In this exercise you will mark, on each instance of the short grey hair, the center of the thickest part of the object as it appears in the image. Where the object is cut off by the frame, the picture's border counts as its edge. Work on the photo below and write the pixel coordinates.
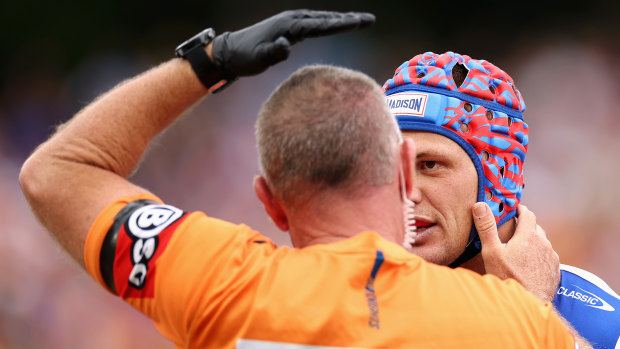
(326, 127)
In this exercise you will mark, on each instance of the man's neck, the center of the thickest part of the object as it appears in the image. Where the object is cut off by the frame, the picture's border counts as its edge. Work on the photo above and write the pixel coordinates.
(340, 217)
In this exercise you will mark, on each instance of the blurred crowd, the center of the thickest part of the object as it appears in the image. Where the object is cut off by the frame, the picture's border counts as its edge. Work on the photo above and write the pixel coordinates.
(206, 162)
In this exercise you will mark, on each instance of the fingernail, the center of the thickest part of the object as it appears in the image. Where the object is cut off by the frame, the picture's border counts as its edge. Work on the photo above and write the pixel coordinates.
(480, 210)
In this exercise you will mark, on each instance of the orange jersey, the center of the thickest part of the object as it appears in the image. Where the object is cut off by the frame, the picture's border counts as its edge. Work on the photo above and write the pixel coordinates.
(207, 283)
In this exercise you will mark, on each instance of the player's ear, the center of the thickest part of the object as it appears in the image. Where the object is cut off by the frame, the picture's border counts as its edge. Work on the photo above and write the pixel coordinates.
(271, 203)
(408, 156)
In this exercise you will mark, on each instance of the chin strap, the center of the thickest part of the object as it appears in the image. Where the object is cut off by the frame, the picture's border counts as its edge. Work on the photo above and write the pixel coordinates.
(471, 250)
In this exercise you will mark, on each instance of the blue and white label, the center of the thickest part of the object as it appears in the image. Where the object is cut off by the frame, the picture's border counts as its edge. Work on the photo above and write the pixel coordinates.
(407, 103)
(587, 298)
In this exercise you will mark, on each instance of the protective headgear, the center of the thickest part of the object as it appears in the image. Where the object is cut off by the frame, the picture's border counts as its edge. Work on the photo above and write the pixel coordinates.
(483, 113)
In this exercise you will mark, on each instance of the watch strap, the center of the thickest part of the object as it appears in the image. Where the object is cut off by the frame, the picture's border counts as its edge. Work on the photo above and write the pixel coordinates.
(205, 69)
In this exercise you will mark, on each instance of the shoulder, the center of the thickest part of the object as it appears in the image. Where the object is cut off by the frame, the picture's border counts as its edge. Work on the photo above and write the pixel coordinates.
(590, 305)
(586, 278)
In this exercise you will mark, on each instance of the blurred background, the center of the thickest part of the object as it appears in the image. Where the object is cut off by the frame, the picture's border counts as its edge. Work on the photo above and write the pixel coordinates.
(57, 56)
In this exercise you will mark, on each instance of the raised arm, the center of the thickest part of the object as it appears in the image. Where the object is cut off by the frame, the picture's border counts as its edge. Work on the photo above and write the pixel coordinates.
(70, 178)
(83, 167)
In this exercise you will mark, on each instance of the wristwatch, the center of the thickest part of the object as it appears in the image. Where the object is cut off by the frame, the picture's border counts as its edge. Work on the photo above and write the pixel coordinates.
(194, 51)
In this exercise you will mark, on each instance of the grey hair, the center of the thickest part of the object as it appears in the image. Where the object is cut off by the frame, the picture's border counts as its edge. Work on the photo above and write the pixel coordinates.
(326, 127)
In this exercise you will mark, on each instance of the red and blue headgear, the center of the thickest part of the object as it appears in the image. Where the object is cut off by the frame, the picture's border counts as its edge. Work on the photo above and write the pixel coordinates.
(483, 114)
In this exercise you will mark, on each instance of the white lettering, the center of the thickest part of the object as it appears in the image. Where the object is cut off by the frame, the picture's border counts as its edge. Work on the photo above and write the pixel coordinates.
(150, 220)
(407, 103)
(137, 275)
(589, 298)
(143, 226)
(143, 249)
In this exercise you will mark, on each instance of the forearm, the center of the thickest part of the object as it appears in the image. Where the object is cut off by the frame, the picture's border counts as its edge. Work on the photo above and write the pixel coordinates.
(83, 167)
(113, 132)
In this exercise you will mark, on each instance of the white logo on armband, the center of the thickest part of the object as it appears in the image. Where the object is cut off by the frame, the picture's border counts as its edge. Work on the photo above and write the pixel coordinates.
(143, 227)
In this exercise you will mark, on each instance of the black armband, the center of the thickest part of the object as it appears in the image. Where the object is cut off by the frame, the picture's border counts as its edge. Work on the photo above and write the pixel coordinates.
(108, 248)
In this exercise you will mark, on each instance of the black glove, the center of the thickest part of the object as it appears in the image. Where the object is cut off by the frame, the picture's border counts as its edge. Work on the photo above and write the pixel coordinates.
(252, 50)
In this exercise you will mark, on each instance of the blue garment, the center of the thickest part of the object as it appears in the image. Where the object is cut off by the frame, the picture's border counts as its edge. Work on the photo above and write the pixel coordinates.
(590, 305)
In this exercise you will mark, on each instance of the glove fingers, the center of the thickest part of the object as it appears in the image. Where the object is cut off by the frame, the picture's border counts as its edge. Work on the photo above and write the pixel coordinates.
(271, 53)
(253, 49)
(326, 23)
(310, 14)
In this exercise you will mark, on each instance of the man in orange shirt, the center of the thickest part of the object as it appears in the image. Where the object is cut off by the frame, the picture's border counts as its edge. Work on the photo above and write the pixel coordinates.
(336, 174)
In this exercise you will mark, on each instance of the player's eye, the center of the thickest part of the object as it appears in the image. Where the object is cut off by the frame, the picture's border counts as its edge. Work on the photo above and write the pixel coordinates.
(429, 164)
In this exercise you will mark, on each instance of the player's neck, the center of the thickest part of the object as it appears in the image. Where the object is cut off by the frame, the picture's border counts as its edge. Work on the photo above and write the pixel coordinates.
(505, 232)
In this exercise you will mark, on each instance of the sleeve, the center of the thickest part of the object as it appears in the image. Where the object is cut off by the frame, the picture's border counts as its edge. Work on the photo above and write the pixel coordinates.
(169, 264)
(590, 305)
(537, 320)
(557, 334)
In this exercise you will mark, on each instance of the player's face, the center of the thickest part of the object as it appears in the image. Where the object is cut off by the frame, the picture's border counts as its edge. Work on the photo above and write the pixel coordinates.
(446, 186)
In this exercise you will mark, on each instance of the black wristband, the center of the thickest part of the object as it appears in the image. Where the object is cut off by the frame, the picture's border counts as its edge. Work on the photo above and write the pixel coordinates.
(194, 51)
(204, 68)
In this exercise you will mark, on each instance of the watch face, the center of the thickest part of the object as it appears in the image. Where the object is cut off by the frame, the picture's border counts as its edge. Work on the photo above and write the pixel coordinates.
(201, 39)
(206, 36)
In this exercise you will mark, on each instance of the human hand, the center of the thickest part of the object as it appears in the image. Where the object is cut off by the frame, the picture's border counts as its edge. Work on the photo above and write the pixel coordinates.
(252, 50)
(527, 257)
